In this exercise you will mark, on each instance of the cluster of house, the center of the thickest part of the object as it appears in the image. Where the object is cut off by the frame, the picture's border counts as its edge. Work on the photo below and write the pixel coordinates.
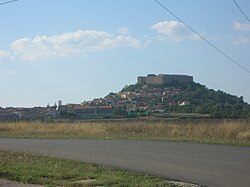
(83, 111)
(20, 113)
(147, 99)
(78, 111)
(153, 99)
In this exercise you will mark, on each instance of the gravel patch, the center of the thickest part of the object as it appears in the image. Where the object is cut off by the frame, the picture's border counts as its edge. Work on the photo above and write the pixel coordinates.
(184, 184)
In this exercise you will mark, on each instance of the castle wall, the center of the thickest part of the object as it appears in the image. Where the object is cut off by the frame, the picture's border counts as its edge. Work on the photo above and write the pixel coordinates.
(164, 79)
(141, 80)
(182, 78)
(153, 79)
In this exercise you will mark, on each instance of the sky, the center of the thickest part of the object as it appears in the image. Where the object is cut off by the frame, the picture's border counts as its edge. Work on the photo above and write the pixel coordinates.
(84, 49)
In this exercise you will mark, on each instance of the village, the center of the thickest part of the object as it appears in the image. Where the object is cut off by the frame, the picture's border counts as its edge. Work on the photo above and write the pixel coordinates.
(152, 100)
(141, 101)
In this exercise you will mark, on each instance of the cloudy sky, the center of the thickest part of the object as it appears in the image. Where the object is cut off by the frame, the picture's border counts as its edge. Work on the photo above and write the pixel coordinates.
(82, 49)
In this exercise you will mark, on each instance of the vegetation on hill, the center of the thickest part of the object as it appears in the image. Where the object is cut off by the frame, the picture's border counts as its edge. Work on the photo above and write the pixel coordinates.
(199, 99)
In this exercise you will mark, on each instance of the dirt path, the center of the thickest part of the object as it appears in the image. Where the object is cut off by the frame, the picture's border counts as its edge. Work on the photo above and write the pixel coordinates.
(6, 183)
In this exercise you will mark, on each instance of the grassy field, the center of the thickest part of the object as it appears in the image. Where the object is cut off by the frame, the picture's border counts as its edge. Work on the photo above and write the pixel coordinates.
(57, 172)
(234, 132)
(47, 171)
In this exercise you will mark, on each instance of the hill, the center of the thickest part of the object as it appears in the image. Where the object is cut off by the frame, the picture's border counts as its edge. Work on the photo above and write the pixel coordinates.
(160, 96)
(182, 98)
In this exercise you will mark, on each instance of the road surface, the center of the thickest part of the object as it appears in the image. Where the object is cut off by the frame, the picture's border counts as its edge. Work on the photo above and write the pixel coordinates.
(210, 165)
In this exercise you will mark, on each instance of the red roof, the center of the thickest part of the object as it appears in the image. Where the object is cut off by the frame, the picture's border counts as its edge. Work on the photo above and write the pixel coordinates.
(91, 107)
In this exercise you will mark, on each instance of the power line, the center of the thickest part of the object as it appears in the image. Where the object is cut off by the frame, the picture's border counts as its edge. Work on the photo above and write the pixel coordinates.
(241, 10)
(7, 2)
(204, 39)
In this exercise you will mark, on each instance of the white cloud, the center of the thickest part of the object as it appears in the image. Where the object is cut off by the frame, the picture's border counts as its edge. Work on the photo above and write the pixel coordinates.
(123, 31)
(241, 26)
(174, 30)
(80, 42)
(242, 40)
(4, 54)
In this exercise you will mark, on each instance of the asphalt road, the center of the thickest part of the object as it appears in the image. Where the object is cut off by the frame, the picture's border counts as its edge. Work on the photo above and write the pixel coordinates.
(210, 165)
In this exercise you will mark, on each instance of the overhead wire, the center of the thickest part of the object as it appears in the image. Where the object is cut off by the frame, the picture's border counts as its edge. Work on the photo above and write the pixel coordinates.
(241, 10)
(7, 2)
(204, 39)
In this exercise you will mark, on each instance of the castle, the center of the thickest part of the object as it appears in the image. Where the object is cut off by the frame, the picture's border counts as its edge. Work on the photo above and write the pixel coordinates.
(164, 79)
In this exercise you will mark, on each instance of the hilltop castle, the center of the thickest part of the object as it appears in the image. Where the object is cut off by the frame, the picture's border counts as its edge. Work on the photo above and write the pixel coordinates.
(164, 79)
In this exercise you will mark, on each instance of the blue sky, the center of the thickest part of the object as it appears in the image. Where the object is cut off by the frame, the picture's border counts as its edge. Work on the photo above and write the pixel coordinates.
(79, 50)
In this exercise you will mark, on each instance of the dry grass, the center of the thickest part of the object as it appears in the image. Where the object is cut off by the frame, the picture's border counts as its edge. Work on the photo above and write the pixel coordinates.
(205, 131)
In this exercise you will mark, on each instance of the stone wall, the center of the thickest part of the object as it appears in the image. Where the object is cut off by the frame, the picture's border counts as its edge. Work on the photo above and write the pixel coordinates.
(164, 79)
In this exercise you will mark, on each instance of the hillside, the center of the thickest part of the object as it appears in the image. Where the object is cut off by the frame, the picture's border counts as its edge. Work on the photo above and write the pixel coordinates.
(183, 98)
(158, 96)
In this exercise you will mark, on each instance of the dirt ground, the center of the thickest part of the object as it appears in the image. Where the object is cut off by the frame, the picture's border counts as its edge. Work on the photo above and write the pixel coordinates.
(6, 183)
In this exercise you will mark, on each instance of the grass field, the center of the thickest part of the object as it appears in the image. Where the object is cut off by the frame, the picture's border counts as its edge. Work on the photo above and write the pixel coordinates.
(47, 171)
(234, 132)
(57, 172)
